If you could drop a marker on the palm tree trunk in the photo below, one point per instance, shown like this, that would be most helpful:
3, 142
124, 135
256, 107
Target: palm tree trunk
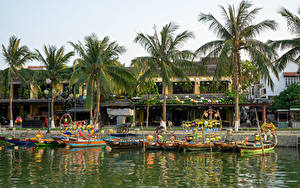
52, 105
147, 114
98, 105
164, 101
236, 90
11, 92
91, 107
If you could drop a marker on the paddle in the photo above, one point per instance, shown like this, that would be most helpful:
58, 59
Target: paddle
261, 142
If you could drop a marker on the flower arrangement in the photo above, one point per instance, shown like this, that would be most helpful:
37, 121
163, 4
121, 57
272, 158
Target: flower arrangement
18, 121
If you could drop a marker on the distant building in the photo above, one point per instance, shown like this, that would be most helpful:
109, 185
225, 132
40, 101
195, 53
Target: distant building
289, 76
200, 94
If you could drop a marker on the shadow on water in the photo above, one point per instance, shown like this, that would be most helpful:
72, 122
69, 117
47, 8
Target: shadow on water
94, 167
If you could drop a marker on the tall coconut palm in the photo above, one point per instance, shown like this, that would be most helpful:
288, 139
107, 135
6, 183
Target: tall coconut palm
55, 61
291, 45
165, 57
15, 56
98, 67
237, 37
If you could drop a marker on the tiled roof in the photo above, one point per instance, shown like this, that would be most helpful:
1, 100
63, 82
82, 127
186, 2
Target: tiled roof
291, 74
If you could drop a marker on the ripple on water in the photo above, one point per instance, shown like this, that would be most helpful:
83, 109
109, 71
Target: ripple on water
92, 168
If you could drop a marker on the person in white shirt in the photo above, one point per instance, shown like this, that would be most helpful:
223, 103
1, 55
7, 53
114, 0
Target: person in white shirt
163, 124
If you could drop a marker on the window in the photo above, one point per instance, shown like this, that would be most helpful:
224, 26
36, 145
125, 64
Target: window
213, 87
183, 87
289, 80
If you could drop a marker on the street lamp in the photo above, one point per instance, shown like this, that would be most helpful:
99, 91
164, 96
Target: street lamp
46, 91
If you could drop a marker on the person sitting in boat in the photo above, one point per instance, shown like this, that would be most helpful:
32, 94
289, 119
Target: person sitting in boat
162, 126
268, 137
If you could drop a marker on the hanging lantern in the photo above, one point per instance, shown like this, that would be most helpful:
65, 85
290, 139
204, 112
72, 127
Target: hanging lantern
150, 137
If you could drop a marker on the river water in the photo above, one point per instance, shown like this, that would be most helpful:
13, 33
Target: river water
48, 167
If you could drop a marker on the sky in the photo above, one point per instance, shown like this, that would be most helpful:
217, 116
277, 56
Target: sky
56, 22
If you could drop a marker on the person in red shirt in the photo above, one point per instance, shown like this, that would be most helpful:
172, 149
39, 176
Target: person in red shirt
46, 121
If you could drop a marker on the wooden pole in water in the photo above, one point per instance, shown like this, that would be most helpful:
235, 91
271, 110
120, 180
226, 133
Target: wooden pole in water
261, 142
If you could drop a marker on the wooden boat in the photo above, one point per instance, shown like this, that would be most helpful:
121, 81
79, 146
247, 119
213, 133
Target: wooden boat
58, 139
51, 143
124, 134
224, 146
118, 144
260, 146
255, 147
150, 145
169, 145
186, 146
17, 141
88, 142
84, 143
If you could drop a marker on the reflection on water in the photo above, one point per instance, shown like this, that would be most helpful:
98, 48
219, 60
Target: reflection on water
93, 167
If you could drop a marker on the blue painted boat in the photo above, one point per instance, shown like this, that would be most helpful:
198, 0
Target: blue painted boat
87, 143
17, 141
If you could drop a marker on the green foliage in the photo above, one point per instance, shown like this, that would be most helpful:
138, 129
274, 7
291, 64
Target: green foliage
98, 62
55, 61
26, 93
236, 34
291, 45
250, 75
15, 56
288, 98
165, 57
230, 96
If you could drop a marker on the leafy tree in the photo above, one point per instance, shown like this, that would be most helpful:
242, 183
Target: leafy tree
165, 57
99, 69
291, 45
55, 61
288, 98
15, 56
237, 36
250, 75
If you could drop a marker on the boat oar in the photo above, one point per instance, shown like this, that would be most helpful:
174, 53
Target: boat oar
261, 142
161, 145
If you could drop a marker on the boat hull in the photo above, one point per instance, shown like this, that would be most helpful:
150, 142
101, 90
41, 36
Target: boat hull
150, 145
170, 146
123, 144
255, 149
226, 147
197, 147
49, 144
86, 143
20, 142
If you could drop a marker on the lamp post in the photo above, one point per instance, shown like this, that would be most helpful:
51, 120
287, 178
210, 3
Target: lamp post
46, 91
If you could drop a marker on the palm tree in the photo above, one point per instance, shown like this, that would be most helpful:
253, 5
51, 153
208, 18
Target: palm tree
15, 56
54, 61
237, 36
144, 88
292, 45
98, 67
165, 59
